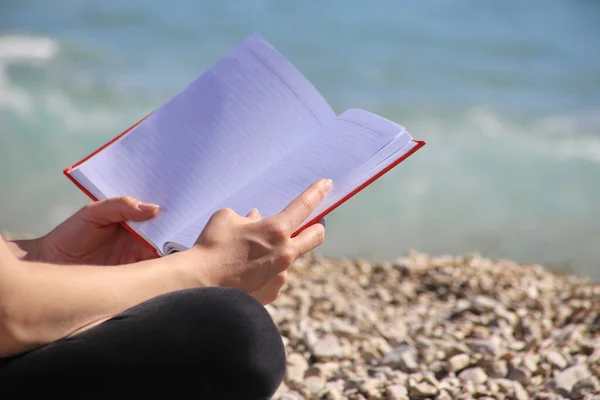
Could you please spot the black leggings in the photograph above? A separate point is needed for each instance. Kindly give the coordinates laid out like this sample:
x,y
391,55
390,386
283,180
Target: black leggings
x,y
213,343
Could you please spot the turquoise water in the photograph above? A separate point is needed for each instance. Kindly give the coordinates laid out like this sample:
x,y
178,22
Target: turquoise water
x,y
507,95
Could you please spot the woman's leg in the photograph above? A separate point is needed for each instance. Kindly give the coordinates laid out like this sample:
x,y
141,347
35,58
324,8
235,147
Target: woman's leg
x,y
219,343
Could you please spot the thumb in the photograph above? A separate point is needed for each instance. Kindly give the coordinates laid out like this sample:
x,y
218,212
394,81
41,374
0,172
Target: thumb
x,y
119,209
254,215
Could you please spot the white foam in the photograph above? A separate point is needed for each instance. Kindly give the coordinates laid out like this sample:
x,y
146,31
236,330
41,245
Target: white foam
x,y
486,121
564,136
16,100
578,148
17,48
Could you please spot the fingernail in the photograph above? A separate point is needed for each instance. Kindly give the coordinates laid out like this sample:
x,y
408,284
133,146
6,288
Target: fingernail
x,y
148,206
327,183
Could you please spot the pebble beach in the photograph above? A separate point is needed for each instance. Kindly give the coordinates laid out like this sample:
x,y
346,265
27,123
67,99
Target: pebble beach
x,y
424,327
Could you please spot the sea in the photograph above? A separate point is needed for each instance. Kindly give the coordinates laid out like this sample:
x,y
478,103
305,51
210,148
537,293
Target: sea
x,y
505,93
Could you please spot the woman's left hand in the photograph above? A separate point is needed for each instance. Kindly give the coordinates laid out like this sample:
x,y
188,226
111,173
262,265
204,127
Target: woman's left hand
x,y
94,235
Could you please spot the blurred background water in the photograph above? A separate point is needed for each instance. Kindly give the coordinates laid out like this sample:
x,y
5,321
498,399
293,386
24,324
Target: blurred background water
x,y
506,93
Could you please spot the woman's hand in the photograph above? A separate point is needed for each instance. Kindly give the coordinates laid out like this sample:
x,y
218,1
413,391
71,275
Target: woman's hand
x,y
94,235
253,254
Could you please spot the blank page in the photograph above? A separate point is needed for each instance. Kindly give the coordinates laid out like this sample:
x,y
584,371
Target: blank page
x,y
240,117
339,150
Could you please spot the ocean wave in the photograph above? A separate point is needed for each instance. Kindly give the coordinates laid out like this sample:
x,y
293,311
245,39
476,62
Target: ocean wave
x,y
17,48
580,148
14,99
574,135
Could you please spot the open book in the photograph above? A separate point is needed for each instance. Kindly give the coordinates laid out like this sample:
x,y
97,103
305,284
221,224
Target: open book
x,y
250,132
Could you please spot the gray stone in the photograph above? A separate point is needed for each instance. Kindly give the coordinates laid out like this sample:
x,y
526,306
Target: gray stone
x,y
342,328
475,374
505,386
563,382
556,359
458,362
519,374
313,385
531,362
327,347
490,346
371,387
335,390
586,386
296,367
594,358
543,395
519,391
402,357
422,389
396,392
484,303
324,370
443,395
496,368
468,387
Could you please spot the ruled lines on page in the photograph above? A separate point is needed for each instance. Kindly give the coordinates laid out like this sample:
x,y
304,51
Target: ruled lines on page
x,y
239,118
339,149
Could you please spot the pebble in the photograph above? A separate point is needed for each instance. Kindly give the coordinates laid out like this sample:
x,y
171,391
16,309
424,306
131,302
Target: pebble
x,y
402,357
496,368
313,384
584,387
335,390
422,389
324,370
437,328
519,392
520,374
563,382
296,367
327,347
531,361
475,375
556,359
397,392
458,362
489,346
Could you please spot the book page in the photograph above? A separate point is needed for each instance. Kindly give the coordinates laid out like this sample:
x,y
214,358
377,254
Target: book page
x,y
337,152
382,159
239,118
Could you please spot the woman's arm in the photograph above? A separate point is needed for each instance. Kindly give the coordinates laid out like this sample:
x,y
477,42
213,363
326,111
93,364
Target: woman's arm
x,y
40,303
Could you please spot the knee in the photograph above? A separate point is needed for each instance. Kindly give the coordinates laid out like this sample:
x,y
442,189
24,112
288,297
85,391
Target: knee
x,y
247,343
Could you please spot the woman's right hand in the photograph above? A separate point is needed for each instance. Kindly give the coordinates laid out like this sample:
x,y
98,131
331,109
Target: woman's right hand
x,y
253,254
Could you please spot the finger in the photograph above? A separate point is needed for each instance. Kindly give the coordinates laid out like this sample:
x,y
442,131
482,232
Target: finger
x,y
299,209
309,238
254,215
118,209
